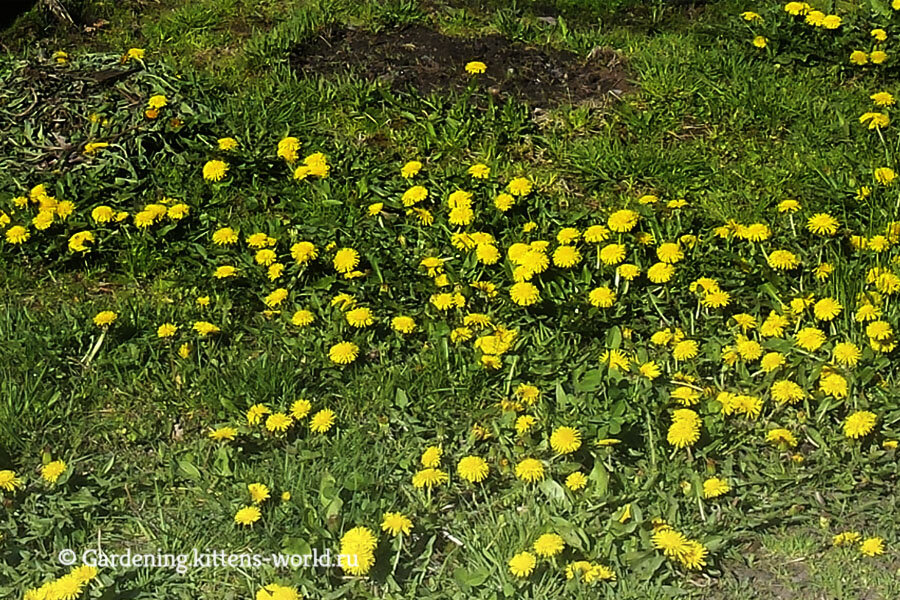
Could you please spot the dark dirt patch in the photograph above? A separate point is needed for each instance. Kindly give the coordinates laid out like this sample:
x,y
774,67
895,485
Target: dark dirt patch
x,y
426,61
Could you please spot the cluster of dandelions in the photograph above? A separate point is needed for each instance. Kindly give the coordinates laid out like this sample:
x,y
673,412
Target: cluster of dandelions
x,y
358,544
278,424
638,254
803,13
530,260
76,582
473,469
689,553
70,586
314,165
564,440
259,493
527,260
50,471
52,215
871,546
803,17
346,262
548,547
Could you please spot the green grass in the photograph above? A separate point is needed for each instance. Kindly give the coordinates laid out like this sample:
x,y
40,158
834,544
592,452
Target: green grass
x,y
732,132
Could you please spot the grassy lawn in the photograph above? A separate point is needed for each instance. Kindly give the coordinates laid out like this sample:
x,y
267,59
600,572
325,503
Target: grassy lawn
x,y
156,292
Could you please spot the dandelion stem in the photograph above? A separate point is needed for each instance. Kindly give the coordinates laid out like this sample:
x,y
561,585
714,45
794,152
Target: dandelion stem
x,y
650,436
397,556
90,356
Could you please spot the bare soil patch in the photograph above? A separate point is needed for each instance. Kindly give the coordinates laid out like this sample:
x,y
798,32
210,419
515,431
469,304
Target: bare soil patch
x,y
423,60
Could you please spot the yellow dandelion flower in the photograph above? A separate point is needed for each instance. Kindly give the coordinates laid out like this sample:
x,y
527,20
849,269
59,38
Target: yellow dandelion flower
x,y
872,546
685,350
885,175
431,458
715,487
846,353
345,260
524,293
396,523
530,470
565,440
259,492
223,433
429,478
52,471
473,469
783,260
302,318
810,338
9,481
669,253
522,564
322,421
479,171
596,234
300,408
475,67
859,424
879,330
660,273
622,221
247,515
781,437
105,318
566,256
602,297
672,543
882,98
685,428
410,169
827,309
304,252
549,545
520,186
278,422
822,224
215,170
343,353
